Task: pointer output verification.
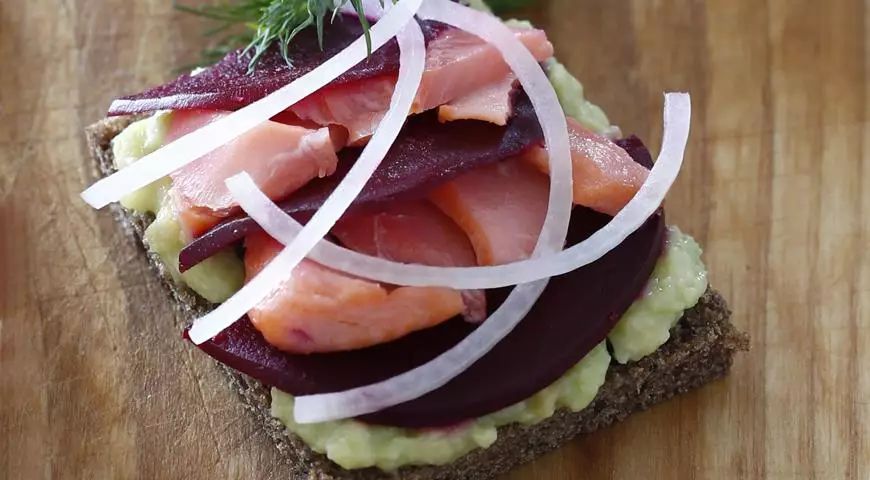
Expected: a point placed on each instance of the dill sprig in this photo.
(267, 22)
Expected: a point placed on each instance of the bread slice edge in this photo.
(700, 350)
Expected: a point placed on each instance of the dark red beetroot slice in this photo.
(228, 86)
(426, 154)
(575, 313)
(636, 149)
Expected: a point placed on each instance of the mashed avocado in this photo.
(573, 100)
(136, 141)
(678, 281)
(215, 279)
(352, 444)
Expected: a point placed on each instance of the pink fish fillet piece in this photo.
(457, 64)
(500, 207)
(490, 103)
(320, 310)
(606, 178)
(416, 232)
(280, 158)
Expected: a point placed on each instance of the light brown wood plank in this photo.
(95, 383)
(835, 320)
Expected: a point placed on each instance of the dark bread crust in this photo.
(700, 350)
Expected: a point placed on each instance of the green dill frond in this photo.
(266, 22)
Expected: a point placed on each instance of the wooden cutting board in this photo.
(95, 383)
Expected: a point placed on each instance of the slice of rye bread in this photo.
(701, 349)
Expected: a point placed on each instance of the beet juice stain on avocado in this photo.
(469, 166)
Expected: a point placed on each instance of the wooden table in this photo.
(95, 383)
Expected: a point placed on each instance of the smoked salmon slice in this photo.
(280, 158)
(500, 207)
(458, 64)
(605, 176)
(321, 310)
(415, 232)
(358, 106)
(490, 103)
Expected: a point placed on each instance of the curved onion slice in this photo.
(407, 386)
(411, 65)
(196, 144)
(434, 374)
(677, 112)
(284, 228)
(544, 100)
(430, 376)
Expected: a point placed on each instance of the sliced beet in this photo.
(228, 86)
(636, 149)
(404, 172)
(575, 313)
(426, 154)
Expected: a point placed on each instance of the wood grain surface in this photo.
(96, 383)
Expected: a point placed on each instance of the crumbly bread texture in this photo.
(700, 350)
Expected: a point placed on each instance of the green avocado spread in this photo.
(215, 279)
(574, 103)
(678, 281)
(352, 444)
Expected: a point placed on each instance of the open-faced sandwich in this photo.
(415, 246)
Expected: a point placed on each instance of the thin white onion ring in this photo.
(191, 147)
(411, 66)
(435, 373)
(677, 119)
(407, 386)
(543, 97)
(284, 228)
